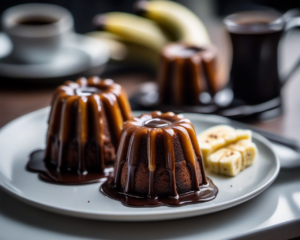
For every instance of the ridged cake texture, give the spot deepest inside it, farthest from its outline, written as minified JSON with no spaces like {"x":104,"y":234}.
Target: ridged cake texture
{"x":85,"y":124}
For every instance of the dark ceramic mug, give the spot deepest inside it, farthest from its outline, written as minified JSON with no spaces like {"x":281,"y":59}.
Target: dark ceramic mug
{"x":255,"y":36}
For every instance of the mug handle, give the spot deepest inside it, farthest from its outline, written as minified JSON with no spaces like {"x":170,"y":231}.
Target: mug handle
{"x":292,"y":20}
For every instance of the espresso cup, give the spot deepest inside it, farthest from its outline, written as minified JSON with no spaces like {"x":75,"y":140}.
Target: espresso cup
{"x":255,"y":36}
{"x":37,"y":31}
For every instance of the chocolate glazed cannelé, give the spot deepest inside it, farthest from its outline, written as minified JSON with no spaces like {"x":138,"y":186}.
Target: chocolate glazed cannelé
{"x":187,"y":71}
{"x":84,"y":129}
{"x":159,"y":163}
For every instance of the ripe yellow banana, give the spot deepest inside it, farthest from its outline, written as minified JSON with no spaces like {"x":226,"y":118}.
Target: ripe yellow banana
{"x":133,"y":29}
{"x":218,"y":137}
{"x":125,"y":51}
{"x":118,"y":50}
{"x":233,"y":159}
{"x":176,"y":19}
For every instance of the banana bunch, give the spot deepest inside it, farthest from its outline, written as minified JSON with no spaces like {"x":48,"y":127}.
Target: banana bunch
{"x":122,"y":50}
{"x":139,"y":39}
{"x":226,"y":150}
{"x":132,"y":28}
{"x":178,"y":21}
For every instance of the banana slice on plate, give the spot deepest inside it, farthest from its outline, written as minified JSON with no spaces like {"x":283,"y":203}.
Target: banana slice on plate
{"x":226,"y":150}
{"x":226,"y":162}
{"x":233,"y":159}
{"x":248,"y":151}
{"x":243,"y":134}
{"x":218,"y":137}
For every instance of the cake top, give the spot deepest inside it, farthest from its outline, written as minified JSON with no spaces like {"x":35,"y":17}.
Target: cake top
{"x":105,"y":90}
{"x":87,"y":87}
{"x":157,"y":119}
{"x":183,"y":50}
{"x":89,"y":95}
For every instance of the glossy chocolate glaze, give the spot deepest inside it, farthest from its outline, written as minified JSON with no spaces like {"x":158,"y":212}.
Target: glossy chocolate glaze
{"x":156,"y":123}
{"x":168,"y":126}
{"x":187,"y":71}
{"x":84,"y":129}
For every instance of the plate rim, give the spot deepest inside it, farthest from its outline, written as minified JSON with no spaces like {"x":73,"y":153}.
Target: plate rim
{"x":140,"y":216}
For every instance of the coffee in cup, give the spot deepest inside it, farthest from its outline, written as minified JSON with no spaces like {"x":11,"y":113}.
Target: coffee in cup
{"x":37,"y":31}
{"x":255,"y":36}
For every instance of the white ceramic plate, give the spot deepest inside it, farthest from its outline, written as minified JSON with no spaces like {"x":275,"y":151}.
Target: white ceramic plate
{"x":25,"y":134}
{"x":79,"y":54}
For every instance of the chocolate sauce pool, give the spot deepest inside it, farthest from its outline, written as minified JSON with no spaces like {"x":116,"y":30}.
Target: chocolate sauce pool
{"x":49,"y":173}
{"x":206,"y":193}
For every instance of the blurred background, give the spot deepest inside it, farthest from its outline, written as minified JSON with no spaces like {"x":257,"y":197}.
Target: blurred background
{"x":20,"y":94}
{"x":133,"y":62}
{"x":84,"y":10}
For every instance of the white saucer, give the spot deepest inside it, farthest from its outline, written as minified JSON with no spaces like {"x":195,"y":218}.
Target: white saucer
{"x":25,"y":134}
{"x":78,"y":55}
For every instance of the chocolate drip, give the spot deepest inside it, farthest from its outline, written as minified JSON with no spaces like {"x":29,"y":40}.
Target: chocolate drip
{"x":98,"y":129}
{"x":133,"y":150}
{"x":150,"y":126}
{"x":84,"y":128}
{"x":190,"y":128}
{"x":113,"y":110}
{"x":65,"y":128}
{"x":151,"y":147}
{"x":82,"y":132}
{"x":124,"y":104}
{"x":121,"y":154}
{"x":178,"y":84}
{"x":168,"y":135}
{"x":189,"y":153}
{"x":210,"y":68}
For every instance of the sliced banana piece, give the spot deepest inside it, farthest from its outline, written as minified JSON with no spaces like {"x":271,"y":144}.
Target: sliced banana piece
{"x":214,"y":159}
{"x":243,"y":134}
{"x":248,"y":151}
{"x":226,"y":162}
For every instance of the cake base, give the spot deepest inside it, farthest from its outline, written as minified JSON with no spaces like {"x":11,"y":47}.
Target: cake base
{"x":50,"y":174}
{"x":206,"y":193}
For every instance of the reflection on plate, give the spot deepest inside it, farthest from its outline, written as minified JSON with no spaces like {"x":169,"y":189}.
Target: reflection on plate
{"x":20,"y":137}
{"x":78,"y":55}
